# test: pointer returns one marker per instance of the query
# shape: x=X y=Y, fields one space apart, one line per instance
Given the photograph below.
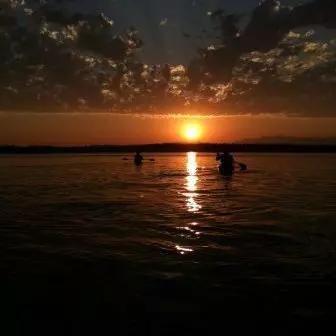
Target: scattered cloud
x=163 y=22
x=54 y=59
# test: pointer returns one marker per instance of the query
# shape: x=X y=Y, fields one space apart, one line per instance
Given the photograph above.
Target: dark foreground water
x=93 y=242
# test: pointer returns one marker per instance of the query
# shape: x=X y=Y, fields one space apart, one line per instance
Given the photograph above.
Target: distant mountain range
x=280 y=139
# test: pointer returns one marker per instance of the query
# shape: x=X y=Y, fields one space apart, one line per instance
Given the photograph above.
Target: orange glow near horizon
x=83 y=129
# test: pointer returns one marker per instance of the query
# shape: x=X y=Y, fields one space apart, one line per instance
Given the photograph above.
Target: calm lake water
x=171 y=244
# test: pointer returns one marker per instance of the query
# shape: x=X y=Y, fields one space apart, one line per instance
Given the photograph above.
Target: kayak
x=225 y=171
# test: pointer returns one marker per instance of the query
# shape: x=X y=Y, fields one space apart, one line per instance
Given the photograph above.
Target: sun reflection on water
x=182 y=249
x=190 y=229
x=191 y=183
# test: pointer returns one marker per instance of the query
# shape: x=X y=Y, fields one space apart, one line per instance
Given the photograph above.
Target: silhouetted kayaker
x=227 y=162
x=138 y=159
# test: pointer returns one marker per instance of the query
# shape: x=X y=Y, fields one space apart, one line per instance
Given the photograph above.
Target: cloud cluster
x=54 y=59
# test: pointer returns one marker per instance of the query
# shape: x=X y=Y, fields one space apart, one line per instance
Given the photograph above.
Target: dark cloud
x=55 y=58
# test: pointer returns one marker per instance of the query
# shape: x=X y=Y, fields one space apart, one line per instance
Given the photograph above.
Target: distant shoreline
x=172 y=148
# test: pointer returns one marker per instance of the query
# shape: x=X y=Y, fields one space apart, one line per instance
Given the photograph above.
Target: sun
x=192 y=132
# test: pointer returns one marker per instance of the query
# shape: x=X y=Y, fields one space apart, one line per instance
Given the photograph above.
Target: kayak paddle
x=242 y=166
x=153 y=160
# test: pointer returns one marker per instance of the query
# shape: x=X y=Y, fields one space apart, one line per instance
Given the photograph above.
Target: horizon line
x=306 y=142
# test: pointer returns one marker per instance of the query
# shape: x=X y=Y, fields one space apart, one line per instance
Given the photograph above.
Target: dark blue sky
x=166 y=43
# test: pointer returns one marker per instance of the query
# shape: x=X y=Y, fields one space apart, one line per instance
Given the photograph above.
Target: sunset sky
x=276 y=110
x=106 y=128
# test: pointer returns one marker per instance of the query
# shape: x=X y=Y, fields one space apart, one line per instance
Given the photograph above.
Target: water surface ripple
x=172 y=237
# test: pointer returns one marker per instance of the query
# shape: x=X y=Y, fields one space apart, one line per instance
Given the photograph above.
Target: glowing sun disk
x=192 y=132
